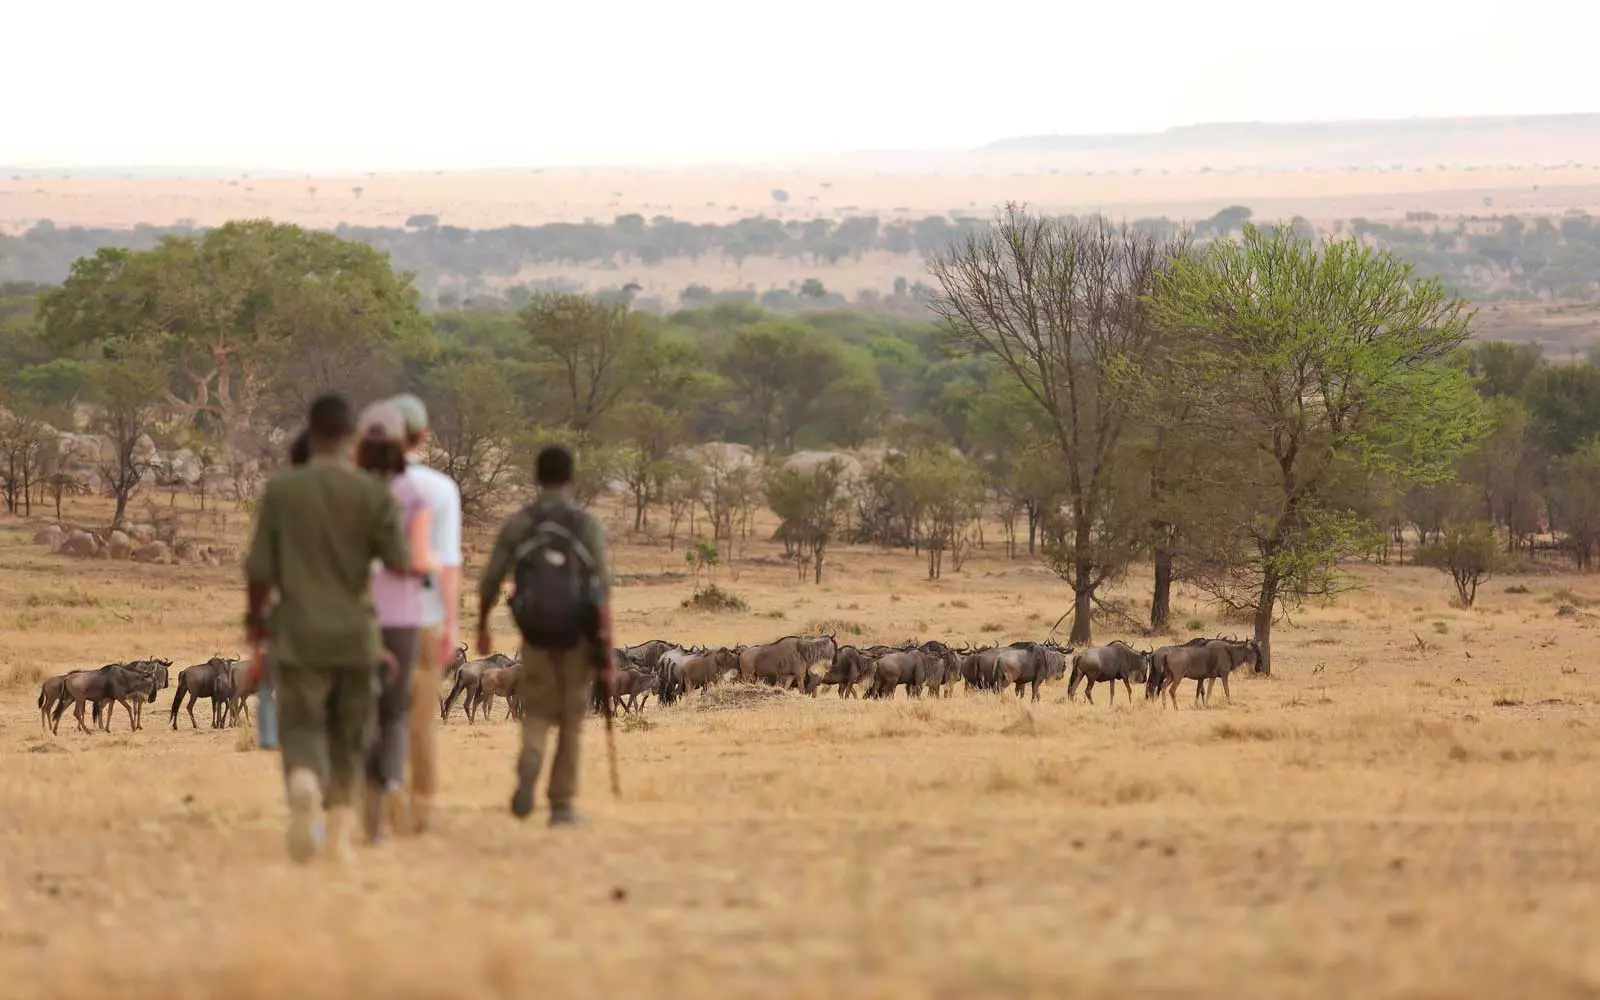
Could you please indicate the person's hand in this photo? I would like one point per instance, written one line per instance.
(485, 641)
(253, 672)
(608, 677)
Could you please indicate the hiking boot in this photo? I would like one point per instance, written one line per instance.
(305, 815)
(527, 775)
(564, 816)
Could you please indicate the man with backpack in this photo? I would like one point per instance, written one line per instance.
(555, 554)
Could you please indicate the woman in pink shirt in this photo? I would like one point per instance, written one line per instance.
(397, 600)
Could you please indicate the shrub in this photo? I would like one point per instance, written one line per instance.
(714, 599)
(1469, 554)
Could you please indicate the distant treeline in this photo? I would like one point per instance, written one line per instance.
(1481, 258)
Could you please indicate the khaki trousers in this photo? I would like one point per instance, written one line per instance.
(554, 691)
(424, 715)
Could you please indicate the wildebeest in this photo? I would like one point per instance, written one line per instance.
(1020, 664)
(500, 681)
(154, 668)
(51, 692)
(201, 681)
(447, 676)
(1114, 662)
(1204, 662)
(634, 688)
(111, 683)
(850, 666)
(467, 677)
(786, 663)
(700, 670)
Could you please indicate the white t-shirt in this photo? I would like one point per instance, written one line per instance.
(443, 497)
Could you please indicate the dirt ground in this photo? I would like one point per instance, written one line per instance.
(1407, 807)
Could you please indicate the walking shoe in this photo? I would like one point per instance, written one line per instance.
(564, 816)
(372, 809)
(338, 845)
(305, 815)
(527, 775)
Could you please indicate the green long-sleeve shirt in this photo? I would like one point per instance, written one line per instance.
(319, 529)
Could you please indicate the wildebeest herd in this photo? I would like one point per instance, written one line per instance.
(671, 671)
(807, 664)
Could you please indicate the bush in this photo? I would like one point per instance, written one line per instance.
(1469, 554)
(714, 599)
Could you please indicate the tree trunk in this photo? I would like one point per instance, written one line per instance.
(1033, 528)
(1082, 609)
(122, 507)
(817, 555)
(1161, 599)
(1266, 602)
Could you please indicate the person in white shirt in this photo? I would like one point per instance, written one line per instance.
(441, 609)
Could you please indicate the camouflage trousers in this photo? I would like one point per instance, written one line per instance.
(554, 692)
(324, 717)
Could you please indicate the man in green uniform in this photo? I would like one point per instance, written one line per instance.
(555, 684)
(320, 527)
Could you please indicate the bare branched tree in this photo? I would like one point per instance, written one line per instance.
(1062, 304)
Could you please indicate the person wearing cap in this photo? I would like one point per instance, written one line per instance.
(397, 599)
(318, 529)
(441, 606)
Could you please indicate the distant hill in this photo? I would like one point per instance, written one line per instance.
(1410, 144)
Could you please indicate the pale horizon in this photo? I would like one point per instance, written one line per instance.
(361, 86)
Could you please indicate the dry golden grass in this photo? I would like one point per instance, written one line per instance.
(1385, 816)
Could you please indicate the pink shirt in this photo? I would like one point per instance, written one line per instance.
(398, 598)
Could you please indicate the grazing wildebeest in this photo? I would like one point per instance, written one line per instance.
(153, 668)
(1204, 663)
(202, 681)
(647, 655)
(667, 669)
(447, 676)
(500, 681)
(941, 668)
(906, 668)
(467, 677)
(112, 682)
(634, 688)
(1117, 661)
(786, 663)
(707, 667)
(850, 667)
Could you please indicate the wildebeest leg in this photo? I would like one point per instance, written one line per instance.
(1072, 685)
(111, 710)
(1112, 685)
(1225, 692)
(1088, 689)
(1036, 682)
(190, 706)
(77, 713)
(1126, 686)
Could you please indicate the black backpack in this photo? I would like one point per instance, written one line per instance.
(554, 602)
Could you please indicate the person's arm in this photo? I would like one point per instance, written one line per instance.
(261, 566)
(493, 578)
(417, 534)
(448, 579)
(387, 542)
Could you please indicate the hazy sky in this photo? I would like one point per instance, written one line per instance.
(357, 84)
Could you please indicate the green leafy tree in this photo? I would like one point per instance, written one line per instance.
(227, 310)
(1574, 494)
(588, 351)
(1317, 359)
(811, 506)
(127, 397)
(476, 427)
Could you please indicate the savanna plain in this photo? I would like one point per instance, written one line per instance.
(1406, 807)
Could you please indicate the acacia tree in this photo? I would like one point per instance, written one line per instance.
(589, 350)
(1317, 360)
(811, 506)
(227, 309)
(1060, 304)
(128, 395)
(1467, 553)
